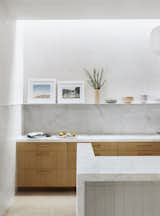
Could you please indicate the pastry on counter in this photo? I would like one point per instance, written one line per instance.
(64, 134)
(128, 99)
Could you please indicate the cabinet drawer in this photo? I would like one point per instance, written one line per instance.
(36, 178)
(138, 148)
(41, 146)
(27, 146)
(33, 160)
(105, 149)
(105, 146)
(27, 159)
(51, 147)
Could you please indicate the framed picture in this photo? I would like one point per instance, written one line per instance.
(42, 91)
(71, 92)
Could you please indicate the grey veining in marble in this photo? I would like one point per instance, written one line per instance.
(92, 119)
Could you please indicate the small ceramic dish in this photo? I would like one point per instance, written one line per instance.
(111, 101)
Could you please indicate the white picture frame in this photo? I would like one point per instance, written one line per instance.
(71, 92)
(42, 91)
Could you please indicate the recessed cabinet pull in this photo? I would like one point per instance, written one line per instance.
(144, 145)
(43, 170)
(38, 154)
(44, 145)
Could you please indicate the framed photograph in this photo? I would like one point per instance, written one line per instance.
(42, 91)
(71, 92)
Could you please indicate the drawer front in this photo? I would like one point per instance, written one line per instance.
(105, 146)
(33, 160)
(105, 149)
(27, 159)
(26, 146)
(41, 146)
(46, 178)
(36, 178)
(139, 148)
(60, 147)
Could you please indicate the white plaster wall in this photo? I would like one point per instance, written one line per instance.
(61, 49)
(11, 62)
(10, 108)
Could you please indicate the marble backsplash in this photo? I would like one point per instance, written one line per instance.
(92, 119)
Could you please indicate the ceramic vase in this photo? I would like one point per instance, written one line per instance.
(97, 96)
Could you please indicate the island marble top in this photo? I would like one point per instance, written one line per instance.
(115, 168)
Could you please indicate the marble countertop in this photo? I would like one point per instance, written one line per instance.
(115, 168)
(95, 138)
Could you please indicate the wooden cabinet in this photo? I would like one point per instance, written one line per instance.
(54, 164)
(46, 164)
(127, 149)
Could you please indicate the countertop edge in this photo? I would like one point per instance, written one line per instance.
(95, 138)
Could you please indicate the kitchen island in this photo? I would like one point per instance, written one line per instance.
(117, 185)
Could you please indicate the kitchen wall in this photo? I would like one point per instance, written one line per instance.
(10, 108)
(61, 49)
(92, 119)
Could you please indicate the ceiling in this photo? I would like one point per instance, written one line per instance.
(83, 9)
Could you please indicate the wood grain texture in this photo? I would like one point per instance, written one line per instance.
(127, 149)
